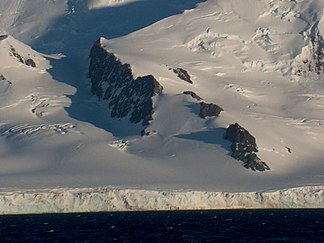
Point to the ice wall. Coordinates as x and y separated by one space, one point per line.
114 199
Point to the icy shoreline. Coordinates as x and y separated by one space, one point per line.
68 200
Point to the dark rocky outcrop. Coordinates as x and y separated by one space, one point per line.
113 81
244 148
28 61
4 85
3 37
182 74
193 95
209 110
3 78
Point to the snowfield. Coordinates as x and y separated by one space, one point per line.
260 61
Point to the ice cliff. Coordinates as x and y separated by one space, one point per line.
311 59
117 199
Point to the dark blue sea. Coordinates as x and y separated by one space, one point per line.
170 226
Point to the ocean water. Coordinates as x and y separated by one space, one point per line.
169 226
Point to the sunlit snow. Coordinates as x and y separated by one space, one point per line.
257 59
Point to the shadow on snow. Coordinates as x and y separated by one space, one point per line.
215 137
74 34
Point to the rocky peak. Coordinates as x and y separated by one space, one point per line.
183 74
193 95
113 81
244 148
208 110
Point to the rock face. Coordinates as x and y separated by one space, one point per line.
4 84
244 148
3 78
3 37
193 95
30 62
209 110
113 81
27 61
183 74
311 60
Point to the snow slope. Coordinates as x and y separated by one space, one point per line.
263 67
245 63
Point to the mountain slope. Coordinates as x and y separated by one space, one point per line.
246 64
67 119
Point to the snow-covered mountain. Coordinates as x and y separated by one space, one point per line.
216 95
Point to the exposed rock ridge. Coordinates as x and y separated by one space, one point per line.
183 74
4 84
3 37
193 95
27 61
244 148
208 110
2 78
113 81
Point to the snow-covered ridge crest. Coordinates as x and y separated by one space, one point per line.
16 53
115 199
97 4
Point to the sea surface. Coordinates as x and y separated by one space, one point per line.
168 226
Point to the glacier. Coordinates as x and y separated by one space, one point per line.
260 60
101 199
